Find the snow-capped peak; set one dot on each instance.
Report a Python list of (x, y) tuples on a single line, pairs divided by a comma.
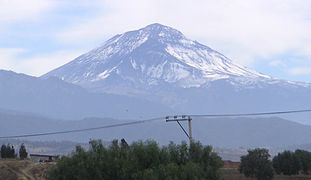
[(153, 55)]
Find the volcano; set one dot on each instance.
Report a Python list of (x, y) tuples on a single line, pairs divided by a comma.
[(158, 63)]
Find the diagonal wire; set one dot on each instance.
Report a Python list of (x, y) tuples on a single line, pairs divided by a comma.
[(183, 129), (85, 129), (150, 120)]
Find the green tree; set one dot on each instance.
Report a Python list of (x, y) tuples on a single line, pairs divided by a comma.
[(287, 163), (304, 159), (7, 151), (139, 161), (12, 152), (3, 151), (22, 152), (257, 164)]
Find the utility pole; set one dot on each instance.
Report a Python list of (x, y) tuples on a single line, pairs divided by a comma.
[(182, 118), (190, 129)]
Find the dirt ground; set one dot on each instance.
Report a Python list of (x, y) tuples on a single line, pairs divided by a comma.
[(22, 170)]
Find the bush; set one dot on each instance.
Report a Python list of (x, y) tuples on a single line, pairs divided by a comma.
[(140, 160), (291, 163), (257, 164)]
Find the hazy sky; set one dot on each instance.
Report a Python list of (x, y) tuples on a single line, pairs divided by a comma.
[(270, 36)]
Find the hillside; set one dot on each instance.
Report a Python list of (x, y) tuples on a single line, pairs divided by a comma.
[(55, 98), (233, 133)]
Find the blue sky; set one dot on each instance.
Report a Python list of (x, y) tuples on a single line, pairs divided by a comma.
[(270, 36)]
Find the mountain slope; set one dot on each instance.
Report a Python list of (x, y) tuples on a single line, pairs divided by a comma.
[(160, 64), (219, 132), (150, 56), (52, 97)]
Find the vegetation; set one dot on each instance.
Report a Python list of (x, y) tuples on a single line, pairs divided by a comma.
[(7, 151), (305, 160), (292, 163), (257, 164), (140, 160), (23, 152), (286, 163), (147, 160)]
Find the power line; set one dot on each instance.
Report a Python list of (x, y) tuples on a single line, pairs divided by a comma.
[(82, 130), (188, 118), (250, 114), (151, 120)]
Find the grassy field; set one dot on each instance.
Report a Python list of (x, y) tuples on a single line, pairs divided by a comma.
[(233, 174)]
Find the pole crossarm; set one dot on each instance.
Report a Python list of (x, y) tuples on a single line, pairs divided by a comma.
[(177, 117), (182, 118), (170, 120)]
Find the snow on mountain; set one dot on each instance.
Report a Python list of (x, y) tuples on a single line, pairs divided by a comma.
[(150, 56), (159, 64)]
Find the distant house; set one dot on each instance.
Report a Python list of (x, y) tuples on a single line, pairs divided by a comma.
[(43, 157)]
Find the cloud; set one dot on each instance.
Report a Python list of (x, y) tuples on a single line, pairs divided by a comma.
[(245, 31), (300, 71), (36, 65), (12, 10), (113, 17), (7, 57), (277, 63), (242, 29), (17, 11)]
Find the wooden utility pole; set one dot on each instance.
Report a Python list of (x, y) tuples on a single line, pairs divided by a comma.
[(190, 129), (182, 118)]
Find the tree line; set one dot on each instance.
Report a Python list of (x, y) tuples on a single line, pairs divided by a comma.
[(8, 151), (139, 160), (257, 163)]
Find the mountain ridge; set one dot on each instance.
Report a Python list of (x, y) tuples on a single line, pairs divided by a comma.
[(171, 57), (54, 98), (157, 54)]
